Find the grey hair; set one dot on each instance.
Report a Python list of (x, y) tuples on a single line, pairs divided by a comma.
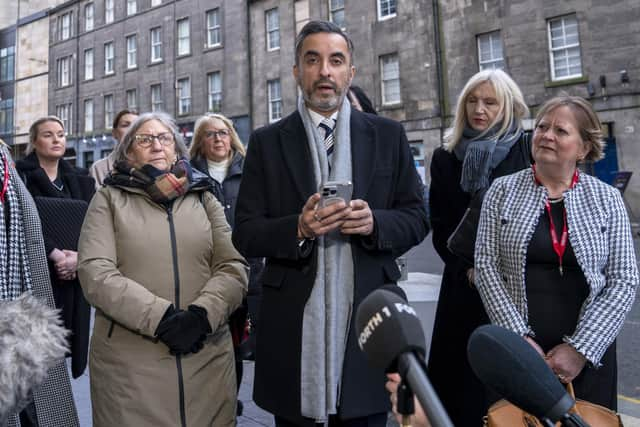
[(33, 130), (129, 138), (315, 27)]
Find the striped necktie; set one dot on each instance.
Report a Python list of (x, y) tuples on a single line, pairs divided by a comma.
[(327, 124)]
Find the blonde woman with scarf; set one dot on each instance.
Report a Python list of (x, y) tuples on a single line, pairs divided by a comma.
[(485, 141)]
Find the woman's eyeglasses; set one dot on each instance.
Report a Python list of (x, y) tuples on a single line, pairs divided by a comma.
[(145, 140), (222, 133)]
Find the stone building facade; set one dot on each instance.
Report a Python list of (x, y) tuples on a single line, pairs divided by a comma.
[(182, 57), (412, 59), (584, 48)]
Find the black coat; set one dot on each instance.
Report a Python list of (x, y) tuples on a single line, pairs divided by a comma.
[(460, 308), (227, 194), (67, 293), (277, 181), (227, 191)]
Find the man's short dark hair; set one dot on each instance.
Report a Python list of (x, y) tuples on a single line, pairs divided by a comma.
[(121, 113), (315, 27)]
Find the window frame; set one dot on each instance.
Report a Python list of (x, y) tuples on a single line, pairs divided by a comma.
[(383, 80), (64, 113), (213, 29), (271, 32), (7, 63), (65, 30), (7, 115), (88, 118), (61, 72), (212, 94), (493, 60), (183, 97), (159, 43), (389, 15), (109, 62), (132, 55), (180, 39), (92, 68), (132, 7), (108, 113), (332, 12), (274, 101), (89, 18), (109, 11), (156, 104), (565, 47), (134, 105)]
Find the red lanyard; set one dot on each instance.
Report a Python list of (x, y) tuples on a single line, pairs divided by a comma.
[(5, 181), (559, 245)]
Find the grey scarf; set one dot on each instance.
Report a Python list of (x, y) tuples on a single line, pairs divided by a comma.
[(480, 154), (327, 312)]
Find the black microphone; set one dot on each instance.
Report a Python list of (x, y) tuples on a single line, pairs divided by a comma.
[(390, 334), (510, 366)]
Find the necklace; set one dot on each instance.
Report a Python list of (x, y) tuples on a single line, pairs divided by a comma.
[(58, 187), (559, 243), (558, 200)]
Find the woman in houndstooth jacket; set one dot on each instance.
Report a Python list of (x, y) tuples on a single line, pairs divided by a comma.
[(554, 257)]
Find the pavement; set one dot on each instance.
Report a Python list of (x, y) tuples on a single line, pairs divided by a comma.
[(423, 259)]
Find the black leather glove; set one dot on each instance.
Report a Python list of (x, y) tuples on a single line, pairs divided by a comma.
[(184, 331)]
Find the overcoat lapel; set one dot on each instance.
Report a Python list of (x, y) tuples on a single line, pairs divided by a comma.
[(364, 142), (295, 150)]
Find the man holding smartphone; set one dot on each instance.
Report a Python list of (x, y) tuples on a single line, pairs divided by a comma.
[(323, 259)]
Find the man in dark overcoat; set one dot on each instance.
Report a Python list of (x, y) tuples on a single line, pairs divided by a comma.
[(322, 261)]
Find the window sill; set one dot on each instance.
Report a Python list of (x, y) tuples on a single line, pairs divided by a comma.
[(566, 82), (109, 75), (392, 106), (184, 55), (212, 47), (131, 69), (156, 62)]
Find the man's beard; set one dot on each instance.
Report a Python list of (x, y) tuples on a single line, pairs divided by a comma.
[(322, 104)]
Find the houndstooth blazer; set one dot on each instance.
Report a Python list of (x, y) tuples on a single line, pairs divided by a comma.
[(600, 235), (53, 399)]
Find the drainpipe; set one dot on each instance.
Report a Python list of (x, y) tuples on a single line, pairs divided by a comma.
[(442, 103), (76, 120), (250, 65)]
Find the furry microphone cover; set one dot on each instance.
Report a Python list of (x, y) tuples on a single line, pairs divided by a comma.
[(32, 340)]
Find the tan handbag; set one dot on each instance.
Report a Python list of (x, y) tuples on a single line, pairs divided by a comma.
[(505, 414)]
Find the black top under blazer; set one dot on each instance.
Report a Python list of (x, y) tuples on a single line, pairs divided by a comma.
[(277, 181)]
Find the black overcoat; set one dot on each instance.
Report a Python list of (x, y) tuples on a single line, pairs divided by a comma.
[(67, 293), (278, 179)]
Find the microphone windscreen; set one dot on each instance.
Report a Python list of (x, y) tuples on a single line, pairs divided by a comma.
[(510, 366), (387, 327)]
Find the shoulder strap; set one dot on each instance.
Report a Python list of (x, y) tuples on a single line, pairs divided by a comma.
[(526, 136)]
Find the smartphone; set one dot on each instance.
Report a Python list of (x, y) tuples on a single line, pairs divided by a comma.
[(335, 191)]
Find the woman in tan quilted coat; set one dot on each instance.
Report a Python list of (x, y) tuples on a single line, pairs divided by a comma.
[(157, 262)]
